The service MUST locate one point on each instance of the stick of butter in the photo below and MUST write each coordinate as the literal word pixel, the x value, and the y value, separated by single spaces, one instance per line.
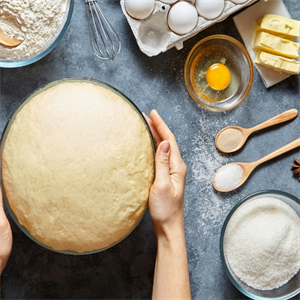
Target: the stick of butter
pixel 279 25
pixel 278 63
pixel 275 45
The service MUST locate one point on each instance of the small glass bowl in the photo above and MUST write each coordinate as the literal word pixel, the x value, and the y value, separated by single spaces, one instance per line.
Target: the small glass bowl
pixel 50 45
pixel 6 131
pixel 219 49
pixel 288 290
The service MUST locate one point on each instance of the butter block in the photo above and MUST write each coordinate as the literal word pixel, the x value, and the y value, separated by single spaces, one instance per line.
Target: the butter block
pixel 278 63
pixel 279 25
pixel 275 45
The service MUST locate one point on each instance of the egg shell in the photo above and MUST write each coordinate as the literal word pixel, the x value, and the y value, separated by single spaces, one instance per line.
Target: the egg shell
pixel 210 9
pixel 169 1
pixel 153 34
pixel 139 9
pixel 183 17
pixel 239 1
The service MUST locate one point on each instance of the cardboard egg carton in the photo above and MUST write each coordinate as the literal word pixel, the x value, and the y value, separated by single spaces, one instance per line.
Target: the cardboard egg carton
pixel 154 36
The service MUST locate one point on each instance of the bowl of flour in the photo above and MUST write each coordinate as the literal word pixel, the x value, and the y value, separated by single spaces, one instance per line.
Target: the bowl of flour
pixel 260 245
pixel 38 24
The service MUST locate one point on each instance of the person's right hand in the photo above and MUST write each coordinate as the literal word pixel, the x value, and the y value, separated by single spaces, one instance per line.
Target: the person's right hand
pixel 5 237
pixel 167 192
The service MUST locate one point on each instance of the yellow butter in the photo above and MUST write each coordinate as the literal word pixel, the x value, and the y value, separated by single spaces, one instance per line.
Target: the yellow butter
pixel 275 45
pixel 278 63
pixel 279 25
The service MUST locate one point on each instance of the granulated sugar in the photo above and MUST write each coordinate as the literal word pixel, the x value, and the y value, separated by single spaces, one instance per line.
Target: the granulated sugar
pixel 32 21
pixel 262 243
pixel 228 177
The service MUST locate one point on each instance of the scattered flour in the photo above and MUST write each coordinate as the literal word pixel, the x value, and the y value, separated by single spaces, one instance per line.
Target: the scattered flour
pixel 262 243
pixel 205 207
pixel 32 21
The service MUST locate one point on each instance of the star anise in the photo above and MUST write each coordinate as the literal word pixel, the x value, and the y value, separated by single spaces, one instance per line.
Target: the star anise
pixel 296 167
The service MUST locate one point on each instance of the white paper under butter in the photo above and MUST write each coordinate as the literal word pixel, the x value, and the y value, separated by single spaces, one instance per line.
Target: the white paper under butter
pixel 245 23
pixel 154 36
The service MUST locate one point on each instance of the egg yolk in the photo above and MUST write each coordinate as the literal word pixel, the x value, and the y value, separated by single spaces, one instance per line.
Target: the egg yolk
pixel 218 76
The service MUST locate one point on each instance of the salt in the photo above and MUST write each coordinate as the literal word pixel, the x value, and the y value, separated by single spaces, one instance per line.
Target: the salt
pixel 262 242
pixel 228 177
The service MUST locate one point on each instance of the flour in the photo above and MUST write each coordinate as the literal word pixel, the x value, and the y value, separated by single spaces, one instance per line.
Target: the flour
pixel 32 21
pixel 262 243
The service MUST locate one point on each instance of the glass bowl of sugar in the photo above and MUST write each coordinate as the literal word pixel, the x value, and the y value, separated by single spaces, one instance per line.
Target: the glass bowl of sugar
pixel 260 245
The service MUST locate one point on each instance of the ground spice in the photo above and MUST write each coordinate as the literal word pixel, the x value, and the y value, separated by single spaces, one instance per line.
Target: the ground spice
pixel 229 139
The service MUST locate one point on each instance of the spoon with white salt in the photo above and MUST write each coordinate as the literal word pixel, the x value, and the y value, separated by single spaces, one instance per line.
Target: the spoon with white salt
pixel 7 41
pixel 232 138
pixel 232 176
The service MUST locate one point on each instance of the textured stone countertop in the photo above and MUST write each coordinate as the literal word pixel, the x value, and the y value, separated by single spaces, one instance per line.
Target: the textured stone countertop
pixel 126 270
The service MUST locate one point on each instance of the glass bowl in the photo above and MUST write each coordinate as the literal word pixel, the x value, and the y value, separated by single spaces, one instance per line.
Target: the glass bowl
pixel 6 131
pixel 229 52
pixel 288 290
pixel 50 45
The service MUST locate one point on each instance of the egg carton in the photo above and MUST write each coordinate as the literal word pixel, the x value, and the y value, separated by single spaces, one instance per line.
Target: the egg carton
pixel 154 36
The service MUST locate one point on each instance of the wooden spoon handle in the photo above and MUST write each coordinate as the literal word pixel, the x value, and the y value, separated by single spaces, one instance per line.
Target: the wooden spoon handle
pixel 284 149
pixel 283 117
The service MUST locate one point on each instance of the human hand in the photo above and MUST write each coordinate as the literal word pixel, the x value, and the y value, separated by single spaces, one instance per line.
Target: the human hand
pixel 167 192
pixel 5 237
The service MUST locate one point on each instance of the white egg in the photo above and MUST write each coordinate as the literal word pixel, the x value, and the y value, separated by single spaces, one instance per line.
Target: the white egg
pixel 139 9
pixel 238 1
pixel 169 1
pixel 210 9
pixel 183 17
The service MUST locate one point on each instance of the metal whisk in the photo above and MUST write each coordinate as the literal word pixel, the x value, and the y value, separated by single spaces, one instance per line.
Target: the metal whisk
pixel 105 41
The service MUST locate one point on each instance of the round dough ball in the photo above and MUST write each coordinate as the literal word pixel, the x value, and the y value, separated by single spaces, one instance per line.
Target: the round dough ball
pixel 77 167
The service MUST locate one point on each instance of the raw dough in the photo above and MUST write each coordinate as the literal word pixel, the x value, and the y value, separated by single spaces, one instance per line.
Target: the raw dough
pixel 77 167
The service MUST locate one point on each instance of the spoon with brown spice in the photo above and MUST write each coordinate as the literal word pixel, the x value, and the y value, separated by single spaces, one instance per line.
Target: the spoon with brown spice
pixel 232 138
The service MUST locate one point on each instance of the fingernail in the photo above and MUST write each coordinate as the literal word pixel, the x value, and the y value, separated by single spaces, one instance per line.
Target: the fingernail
pixel 165 147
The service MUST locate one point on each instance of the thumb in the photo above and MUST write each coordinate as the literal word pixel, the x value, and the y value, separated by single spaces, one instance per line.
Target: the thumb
pixel 2 213
pixel 1 206
pixel 162 162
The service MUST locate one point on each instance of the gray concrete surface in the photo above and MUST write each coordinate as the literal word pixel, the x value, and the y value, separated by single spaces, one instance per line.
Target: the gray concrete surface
pixel 126 270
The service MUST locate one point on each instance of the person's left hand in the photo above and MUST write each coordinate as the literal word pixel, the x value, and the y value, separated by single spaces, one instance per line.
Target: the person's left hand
pixel 5 237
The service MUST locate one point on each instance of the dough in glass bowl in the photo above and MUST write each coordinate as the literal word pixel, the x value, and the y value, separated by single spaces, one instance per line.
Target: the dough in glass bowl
pixel 77 166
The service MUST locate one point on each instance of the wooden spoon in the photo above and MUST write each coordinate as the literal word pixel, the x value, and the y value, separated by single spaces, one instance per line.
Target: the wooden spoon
pixel 283 117
pixel 249 167
pixel 7 41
